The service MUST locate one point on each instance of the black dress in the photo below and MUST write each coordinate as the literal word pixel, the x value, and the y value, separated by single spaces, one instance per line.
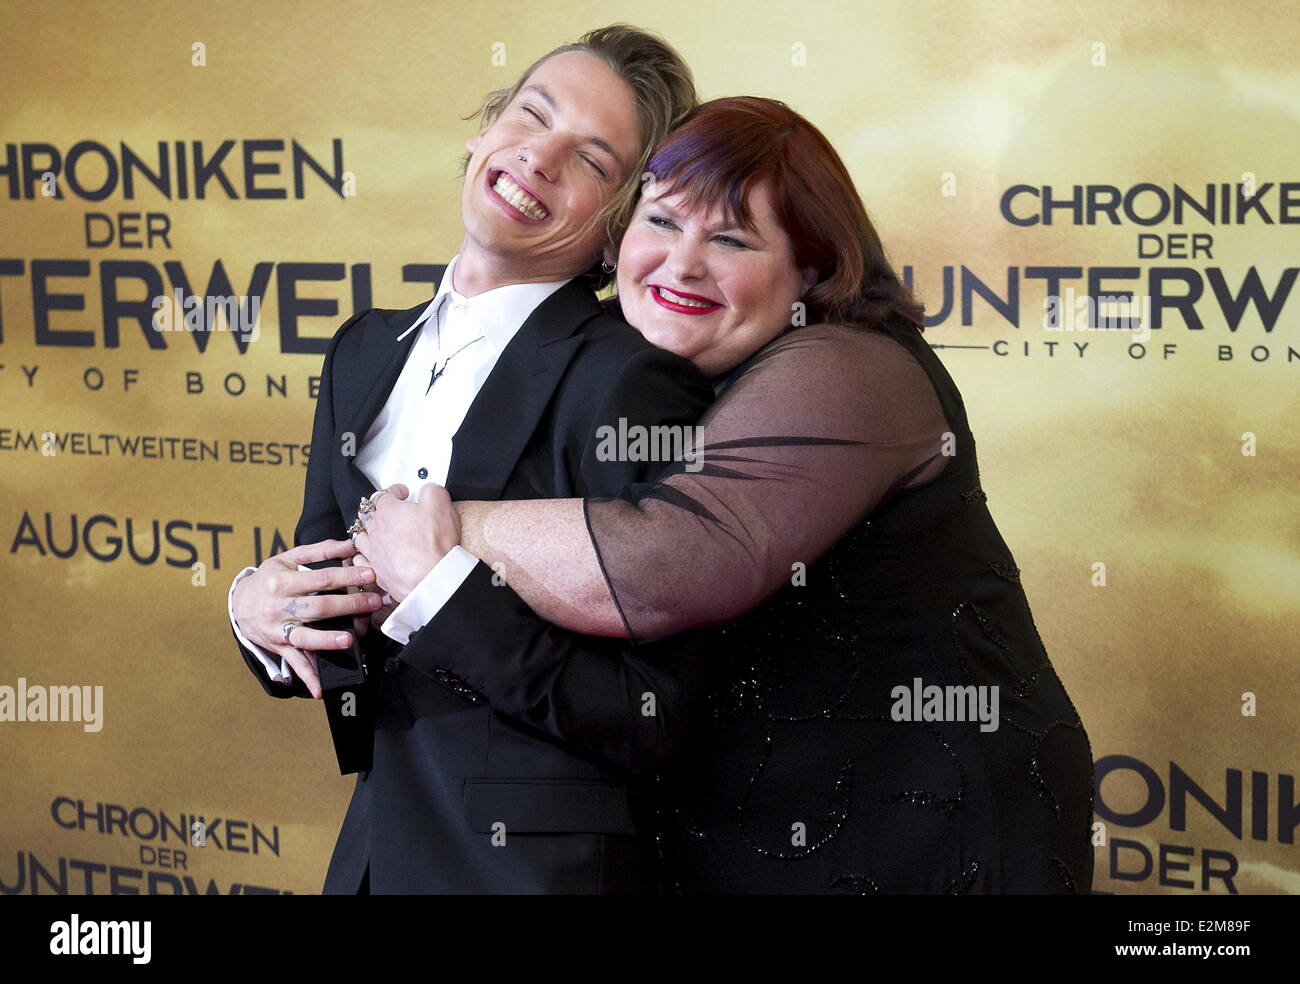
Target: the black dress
pixel 840 482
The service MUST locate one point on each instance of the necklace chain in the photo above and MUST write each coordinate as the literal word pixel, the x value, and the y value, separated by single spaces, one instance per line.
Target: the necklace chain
pixel 438 370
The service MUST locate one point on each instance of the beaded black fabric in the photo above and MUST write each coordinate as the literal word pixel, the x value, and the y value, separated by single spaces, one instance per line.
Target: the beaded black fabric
pixel 881 567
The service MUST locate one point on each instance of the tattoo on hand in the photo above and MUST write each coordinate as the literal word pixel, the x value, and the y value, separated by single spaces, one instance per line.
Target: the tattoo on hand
pixel 294 607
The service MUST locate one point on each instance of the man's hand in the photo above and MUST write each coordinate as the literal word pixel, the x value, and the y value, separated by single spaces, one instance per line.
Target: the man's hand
pixel 277 592
pixel 362 623
pixel 403 540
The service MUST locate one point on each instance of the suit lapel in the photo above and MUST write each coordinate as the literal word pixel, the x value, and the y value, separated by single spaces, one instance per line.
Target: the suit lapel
pixel 382 358
pixel 507 409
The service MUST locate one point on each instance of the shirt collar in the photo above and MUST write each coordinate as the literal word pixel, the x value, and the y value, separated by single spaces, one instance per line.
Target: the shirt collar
pixel 500 312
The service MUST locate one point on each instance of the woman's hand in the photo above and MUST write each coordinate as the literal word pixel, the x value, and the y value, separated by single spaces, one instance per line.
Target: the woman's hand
pixel 278 593
pixel 403 540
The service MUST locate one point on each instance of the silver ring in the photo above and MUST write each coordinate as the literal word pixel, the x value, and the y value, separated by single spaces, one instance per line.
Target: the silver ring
pixel 288 628
pixel 367 503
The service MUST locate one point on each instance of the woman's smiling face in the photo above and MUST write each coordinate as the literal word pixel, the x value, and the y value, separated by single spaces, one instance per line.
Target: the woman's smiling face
pixel 703 286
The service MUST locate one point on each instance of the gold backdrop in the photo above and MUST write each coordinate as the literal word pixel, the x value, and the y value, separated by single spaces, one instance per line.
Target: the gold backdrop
pixel 1149 495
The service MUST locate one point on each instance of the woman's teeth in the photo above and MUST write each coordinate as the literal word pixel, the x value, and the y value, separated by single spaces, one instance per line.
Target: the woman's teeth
pixel 515 195
pixel 668 295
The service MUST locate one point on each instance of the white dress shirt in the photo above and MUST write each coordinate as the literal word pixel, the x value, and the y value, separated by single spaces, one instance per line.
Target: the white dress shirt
pixel 409 441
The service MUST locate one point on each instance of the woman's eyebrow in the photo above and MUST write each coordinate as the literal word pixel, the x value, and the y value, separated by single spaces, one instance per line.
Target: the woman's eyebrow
pixel 723 225
pixel 662 203
pixel 589 138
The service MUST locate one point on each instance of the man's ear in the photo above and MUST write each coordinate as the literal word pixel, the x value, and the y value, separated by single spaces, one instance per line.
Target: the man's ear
pixel 472 142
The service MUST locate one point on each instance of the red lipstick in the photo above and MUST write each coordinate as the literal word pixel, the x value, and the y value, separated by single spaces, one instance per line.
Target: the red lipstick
pixel 671 305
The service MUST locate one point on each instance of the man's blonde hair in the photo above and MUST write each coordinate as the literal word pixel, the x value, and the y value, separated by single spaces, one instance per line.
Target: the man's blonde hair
pixel 665 95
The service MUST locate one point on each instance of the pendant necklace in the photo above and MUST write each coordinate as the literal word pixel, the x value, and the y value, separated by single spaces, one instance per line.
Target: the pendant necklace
pixel 440 365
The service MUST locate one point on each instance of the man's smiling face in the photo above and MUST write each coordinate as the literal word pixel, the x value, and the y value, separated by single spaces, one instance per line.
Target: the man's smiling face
pixel 574 123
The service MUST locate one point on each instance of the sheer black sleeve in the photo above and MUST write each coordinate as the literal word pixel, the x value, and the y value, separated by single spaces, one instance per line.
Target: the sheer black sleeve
pixel 806 438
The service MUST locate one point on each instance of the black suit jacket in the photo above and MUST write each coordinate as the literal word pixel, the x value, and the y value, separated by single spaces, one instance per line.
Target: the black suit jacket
pixel 532 777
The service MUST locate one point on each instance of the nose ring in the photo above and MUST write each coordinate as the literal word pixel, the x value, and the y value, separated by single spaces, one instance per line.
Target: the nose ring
pixel 520 157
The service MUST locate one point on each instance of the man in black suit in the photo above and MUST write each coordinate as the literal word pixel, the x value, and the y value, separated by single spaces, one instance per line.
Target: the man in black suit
pixel 498 388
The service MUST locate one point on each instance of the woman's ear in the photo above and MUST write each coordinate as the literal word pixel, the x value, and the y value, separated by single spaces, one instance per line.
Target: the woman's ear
pixel 809 278
pixel 472 142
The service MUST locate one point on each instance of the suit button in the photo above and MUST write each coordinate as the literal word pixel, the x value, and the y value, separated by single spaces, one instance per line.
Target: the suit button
pixel 392 664
pixel 423 473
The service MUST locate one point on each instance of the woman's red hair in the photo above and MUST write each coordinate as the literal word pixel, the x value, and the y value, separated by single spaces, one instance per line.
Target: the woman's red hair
pixel 726 146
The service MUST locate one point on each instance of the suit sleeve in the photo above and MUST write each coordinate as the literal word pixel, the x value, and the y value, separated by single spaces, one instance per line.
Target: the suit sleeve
pixel 320 519
pixel 628 703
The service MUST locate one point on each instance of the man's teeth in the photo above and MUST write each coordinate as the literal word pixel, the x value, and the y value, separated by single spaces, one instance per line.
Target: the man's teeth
pixel 513 194
pixel 667 294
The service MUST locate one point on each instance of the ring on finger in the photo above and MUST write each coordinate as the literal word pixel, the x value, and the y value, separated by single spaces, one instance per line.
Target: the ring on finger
pixel 288 628
pixel 367 503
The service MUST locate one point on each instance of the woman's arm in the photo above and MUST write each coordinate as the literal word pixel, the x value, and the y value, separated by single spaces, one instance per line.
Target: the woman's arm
pixel 542 549
pixel 807 439
pixel 814 433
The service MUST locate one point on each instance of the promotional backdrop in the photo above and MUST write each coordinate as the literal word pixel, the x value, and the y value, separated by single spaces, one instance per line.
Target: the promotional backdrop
pixel 304 157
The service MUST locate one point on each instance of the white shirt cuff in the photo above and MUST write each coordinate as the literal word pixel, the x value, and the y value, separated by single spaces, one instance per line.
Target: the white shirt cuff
pixel 417 609
pixel 276 668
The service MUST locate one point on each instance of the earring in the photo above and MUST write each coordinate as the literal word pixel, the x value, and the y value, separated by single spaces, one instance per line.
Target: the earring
pixel 608 267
